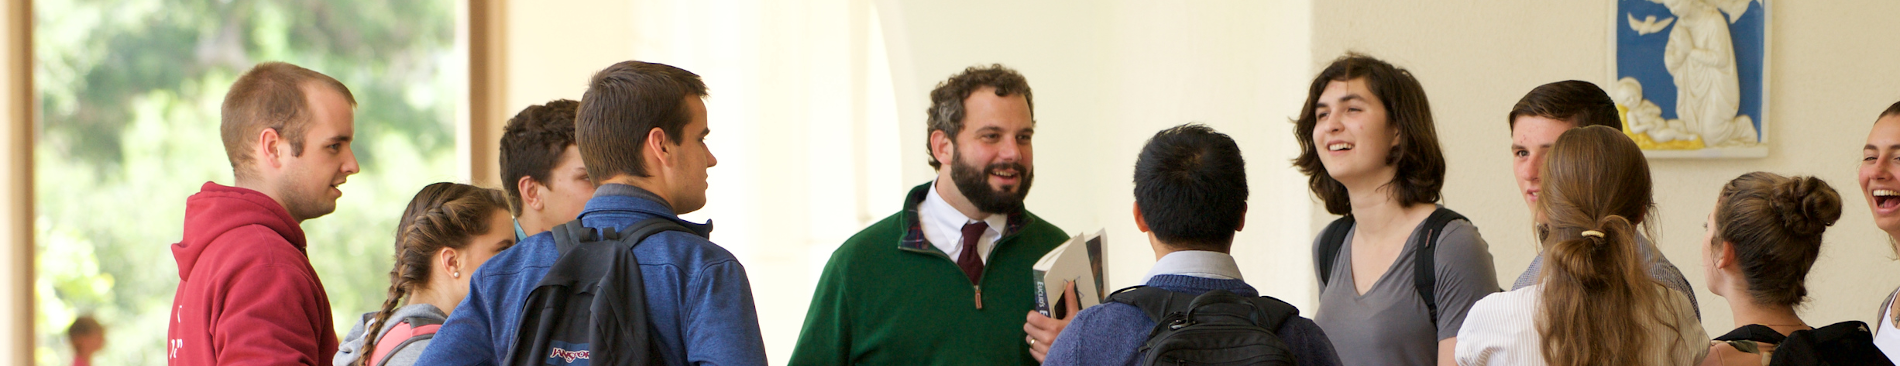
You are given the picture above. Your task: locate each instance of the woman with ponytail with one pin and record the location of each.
(1763, 236)
(447, 231)
(1594, 303)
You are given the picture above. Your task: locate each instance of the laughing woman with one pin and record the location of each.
(1394, 286)
(1879, 165)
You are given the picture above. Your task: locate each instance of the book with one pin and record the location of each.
(1081, 260)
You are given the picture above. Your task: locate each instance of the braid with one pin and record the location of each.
(398, 289)
(441, 216)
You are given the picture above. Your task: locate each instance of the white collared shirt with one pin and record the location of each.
(943, 226)
(1196, 263)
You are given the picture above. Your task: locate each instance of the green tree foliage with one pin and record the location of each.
(129, 92)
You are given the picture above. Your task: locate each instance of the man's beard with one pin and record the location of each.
(975, 185)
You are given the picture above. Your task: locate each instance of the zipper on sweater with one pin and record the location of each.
(978, 287)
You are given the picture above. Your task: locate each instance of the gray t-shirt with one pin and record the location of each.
(1659, 269)
(1389, 324)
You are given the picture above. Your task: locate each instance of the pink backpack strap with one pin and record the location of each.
(398, 335)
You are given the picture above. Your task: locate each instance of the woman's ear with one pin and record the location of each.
(1725, 255)
(449, 261)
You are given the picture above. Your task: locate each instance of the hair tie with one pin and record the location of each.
(1593, 233)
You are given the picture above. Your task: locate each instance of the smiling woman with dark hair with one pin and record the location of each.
(1398, 272)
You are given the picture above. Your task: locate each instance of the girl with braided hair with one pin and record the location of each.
(447, 231)
(1594, 303)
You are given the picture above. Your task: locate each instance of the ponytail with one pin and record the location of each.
(1599, 306)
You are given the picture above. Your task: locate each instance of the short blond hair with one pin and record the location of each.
(270, 96)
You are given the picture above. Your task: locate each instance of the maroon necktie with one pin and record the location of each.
(972, 264)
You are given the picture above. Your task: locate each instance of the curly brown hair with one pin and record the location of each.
(946, 101)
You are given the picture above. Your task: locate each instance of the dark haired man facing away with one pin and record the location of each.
(642, 134)
(1190, 197)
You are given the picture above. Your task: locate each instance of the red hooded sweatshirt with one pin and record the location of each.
(246, 292)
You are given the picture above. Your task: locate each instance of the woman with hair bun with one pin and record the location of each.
(1594, 303)
(447, 231)
(1763, 237)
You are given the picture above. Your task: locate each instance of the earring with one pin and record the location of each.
(456, 274)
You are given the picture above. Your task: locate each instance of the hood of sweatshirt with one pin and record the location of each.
(217, 209)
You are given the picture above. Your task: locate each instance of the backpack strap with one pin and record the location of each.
(1161, 305)
(1882, 316)
(570, 234)
(1753, 332)
(639, 231)
(1330, 241)
(408, 330)
(1155, 302)
(1424, 270)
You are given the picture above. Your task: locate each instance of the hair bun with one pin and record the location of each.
(1807, 205)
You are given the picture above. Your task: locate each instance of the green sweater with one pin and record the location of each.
(887, 297)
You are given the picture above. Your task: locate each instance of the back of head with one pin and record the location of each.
(625, 101)
(1191, 186)
(1420, 161)
(1775, 224)
(946, 100)
(442, 215)
(1578, 102)
(272, 95)
(532, 144)
(1599, 304)
(82, 327)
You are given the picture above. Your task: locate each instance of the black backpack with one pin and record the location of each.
(1423, 276)
(591, 307)
(1213, 328)
(1843, 343)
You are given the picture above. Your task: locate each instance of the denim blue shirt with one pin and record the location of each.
(698, 297)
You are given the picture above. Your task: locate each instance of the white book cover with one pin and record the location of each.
(1081, 260)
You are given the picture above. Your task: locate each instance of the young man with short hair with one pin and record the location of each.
(246, 291)
(641, 132)
(1190, 197)
(541, 167)
(1536, 121)
(945, 281)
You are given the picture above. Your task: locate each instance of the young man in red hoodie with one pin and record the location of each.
(247, 294)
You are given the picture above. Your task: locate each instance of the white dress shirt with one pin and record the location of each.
(943, 226)
(1501, 329)
(1196, 263)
